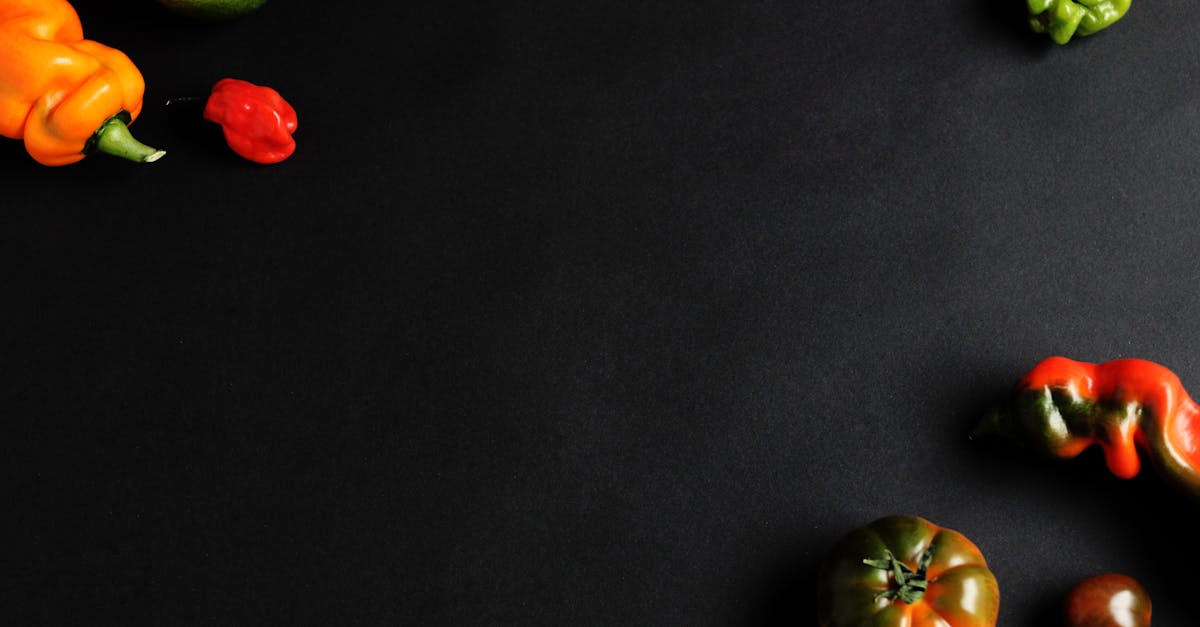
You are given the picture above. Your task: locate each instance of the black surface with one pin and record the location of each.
(618, 313)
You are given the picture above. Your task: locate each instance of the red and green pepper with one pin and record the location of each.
(1062, 407)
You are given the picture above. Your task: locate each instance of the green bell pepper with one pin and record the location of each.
(1063, 18)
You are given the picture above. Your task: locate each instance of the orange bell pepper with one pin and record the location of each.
(66, 96)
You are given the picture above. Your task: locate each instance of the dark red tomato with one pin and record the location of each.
(1109, 600)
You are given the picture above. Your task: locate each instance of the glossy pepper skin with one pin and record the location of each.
(904, 571)
(1062, 407)
(258, 123)
(62, 94)
(1062, 19)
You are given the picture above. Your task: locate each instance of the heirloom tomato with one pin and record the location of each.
(904, 571)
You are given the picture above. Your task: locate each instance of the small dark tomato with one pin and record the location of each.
(1109, 600)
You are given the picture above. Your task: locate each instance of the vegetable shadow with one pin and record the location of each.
(787, 594)
(1008, 20)
(182, 124)
(1046, 611)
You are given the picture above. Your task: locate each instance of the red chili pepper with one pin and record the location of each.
(1062, 407)
(257, 121)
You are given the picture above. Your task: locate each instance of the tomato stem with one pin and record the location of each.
(907, 585)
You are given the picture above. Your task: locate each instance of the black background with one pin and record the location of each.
(609, 313)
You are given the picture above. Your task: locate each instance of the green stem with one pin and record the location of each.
(906, 585)
(113, 138)
(992, 424)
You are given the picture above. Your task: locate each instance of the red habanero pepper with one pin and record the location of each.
(258, 123)
(1062, 407)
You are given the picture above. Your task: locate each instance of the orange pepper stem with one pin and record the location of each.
(113, 138)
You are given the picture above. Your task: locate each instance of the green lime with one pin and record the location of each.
(212, 9)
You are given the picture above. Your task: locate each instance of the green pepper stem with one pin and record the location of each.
(113, 138)
(991, 425)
